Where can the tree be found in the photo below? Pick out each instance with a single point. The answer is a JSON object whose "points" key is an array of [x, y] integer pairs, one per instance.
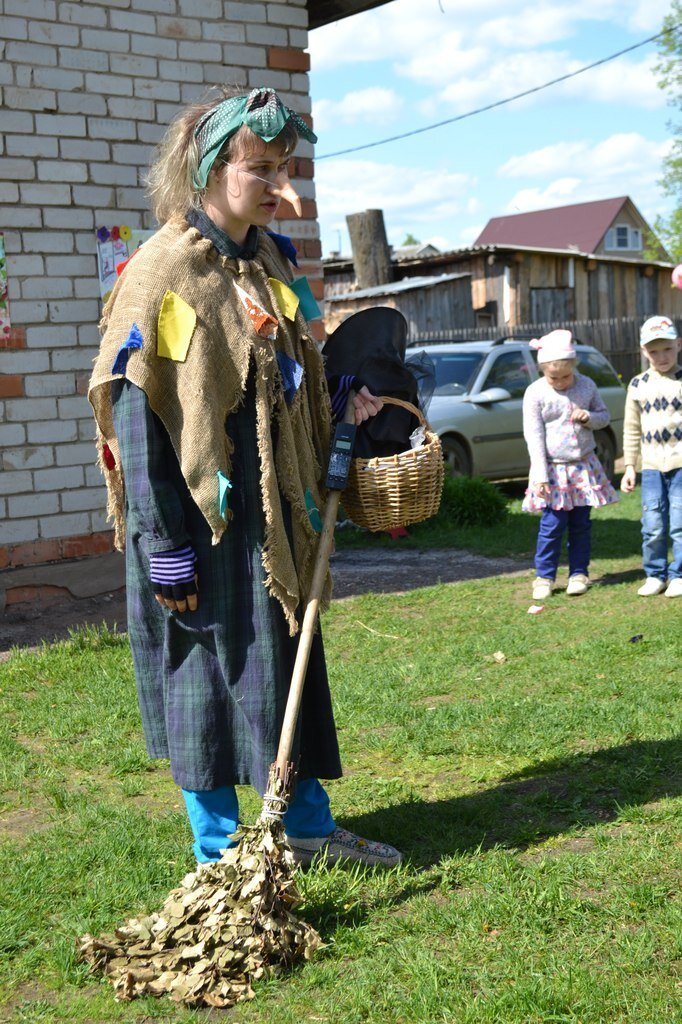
{"points": [[410, 239], [669, 72]]}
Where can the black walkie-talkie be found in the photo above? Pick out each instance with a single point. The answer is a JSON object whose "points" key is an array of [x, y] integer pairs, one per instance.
{"points": [[340, 456]]}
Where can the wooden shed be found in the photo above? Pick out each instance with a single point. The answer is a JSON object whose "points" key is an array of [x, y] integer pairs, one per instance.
{"points": [[427, 303]]}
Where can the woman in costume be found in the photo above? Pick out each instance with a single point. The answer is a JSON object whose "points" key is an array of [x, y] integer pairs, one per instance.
{"points": [[213, 419]]}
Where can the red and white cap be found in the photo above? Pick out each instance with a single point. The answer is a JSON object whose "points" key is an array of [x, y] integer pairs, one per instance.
{"points": [[554, 346], [657, 328]]}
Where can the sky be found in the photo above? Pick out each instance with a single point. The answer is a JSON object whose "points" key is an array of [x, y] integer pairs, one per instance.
{"points": [[411, 63]]}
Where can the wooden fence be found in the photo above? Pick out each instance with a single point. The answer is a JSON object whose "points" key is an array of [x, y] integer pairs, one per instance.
{"points": [[617, 338]]}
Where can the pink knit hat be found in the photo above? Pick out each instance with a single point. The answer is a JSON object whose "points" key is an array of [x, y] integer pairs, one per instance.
{"points": [[553, 346]]}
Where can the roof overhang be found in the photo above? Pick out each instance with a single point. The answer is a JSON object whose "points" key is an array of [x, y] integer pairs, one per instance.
{"points": [[322, 12]]}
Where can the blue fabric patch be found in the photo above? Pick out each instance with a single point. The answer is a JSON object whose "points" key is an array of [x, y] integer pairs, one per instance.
{"points": [[313, 512], [292, 375], [134, 340], [224, 488], [285, 246], [307, 304]]}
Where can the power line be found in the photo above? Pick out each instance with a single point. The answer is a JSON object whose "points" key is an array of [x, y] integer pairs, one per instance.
{"points": [[501, 103]]}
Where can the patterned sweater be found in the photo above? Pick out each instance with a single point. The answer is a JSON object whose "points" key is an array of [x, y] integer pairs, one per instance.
{"points": [[653, 420], [550, 434]]}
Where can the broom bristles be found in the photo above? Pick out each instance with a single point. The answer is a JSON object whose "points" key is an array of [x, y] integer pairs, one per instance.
{"points": [[228, 924]]}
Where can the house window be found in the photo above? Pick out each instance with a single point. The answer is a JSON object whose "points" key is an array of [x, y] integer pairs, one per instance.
{"points": [[623, 237]]}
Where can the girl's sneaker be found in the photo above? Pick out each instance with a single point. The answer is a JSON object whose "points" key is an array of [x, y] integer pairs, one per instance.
{"points": [[577, 584], [542, 589], [651, 586], [674, 588]]}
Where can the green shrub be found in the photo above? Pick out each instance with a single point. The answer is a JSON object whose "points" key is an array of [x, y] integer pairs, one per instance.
{"points": [[471, 501]]}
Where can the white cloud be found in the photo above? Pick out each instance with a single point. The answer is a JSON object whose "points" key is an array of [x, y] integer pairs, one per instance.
{"points": [[444, 60], [647, 15], [419, 200], [375, 105], [530, 27], [557, 193], [622, 164], [622, 81], [624, 153]]}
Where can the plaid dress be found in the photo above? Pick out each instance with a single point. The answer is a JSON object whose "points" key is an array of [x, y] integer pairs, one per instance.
{"points": [[212, 684]]}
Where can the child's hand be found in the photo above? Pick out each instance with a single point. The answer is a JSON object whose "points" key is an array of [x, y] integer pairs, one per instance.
{"points": [[542, 490], [629, 481], [580, 416]]}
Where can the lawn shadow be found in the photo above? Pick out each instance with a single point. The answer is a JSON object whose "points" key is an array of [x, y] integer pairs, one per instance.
{"points": [[546, 800], [611, 579]]}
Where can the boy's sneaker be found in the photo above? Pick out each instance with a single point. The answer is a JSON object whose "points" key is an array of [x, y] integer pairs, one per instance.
{"points": [[577, 584], [674, 588], [542, 589], [343, 845], [651, 586]]}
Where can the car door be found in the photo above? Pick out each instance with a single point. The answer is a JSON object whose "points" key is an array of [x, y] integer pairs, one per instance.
{"points": [[497, 441]]}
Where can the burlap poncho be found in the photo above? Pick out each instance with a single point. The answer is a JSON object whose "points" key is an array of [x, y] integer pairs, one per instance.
{"points": [[194, 396]]}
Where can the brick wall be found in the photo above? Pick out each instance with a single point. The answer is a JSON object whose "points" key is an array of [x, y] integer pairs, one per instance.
{"points": [[87, 89]]}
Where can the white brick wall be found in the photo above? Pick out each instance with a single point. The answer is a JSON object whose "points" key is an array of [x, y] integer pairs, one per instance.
{"points": [[87, 90]]}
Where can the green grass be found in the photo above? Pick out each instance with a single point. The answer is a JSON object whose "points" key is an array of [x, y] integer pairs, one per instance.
{"points": [[537, 800], [616, 531]]}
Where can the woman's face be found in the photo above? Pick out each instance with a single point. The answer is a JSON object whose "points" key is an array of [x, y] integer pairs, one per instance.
{"points": [[247, 190]]}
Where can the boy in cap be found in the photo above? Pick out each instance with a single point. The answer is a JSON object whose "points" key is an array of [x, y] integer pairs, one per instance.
{"points": [[653, 429]]}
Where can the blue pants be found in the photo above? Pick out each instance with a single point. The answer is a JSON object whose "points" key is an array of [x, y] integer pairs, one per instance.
{"points": [[214, 815], [553, 525], [662, 520]]}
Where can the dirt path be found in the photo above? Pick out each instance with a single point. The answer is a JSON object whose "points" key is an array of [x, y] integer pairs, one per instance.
{"points": [[365, 570]]}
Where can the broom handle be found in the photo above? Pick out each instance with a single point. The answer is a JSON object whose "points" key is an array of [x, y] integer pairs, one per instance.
{"points": [[324, 546]]}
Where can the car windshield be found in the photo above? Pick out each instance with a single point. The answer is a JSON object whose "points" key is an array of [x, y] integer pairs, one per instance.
{"points": [[455, 371]]}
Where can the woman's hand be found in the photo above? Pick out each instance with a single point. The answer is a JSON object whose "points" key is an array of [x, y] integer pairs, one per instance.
{"points": [[542, 490], [580, 416], [174, 578], [366, 404]]}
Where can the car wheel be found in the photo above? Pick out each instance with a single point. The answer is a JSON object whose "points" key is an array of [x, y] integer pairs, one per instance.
{"points": [[606, 452], [456, 457]]}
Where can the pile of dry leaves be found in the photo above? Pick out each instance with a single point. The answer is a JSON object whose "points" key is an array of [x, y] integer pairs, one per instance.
{"points": [[229, 924]]}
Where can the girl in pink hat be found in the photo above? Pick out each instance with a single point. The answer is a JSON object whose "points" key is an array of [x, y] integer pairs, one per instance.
{"points": [[561, 412]]}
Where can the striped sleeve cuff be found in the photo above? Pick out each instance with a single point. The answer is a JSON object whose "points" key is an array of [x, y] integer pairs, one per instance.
{"points": [[340, 386], [170, 567]]}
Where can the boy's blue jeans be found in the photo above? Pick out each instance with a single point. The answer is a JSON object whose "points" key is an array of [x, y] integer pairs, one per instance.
{"points": [[214, 815], [662, 521], [553, 525]]}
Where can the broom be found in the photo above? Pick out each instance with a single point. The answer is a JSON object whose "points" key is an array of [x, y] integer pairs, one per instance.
{"points": [[231, 922]]}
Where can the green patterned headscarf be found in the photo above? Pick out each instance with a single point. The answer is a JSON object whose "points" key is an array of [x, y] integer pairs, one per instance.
{"points": [[262, 111]]}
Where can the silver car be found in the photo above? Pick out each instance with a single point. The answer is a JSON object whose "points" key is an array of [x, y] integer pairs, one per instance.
{"points": [[477, 405]]}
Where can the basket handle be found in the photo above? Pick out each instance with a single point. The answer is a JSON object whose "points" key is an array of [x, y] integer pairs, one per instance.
{"points": [[387, 400]]}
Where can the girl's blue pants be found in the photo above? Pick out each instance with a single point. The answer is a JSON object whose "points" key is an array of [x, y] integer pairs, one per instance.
{"points": [[214, 815], [553, 526]]}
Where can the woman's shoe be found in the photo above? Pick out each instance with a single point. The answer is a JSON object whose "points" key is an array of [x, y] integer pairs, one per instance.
{"points": [[343, 845], [674, 588]]}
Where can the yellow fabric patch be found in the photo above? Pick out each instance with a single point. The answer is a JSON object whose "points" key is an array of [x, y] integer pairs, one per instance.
{"points": [[177, 321], [286, 299]]}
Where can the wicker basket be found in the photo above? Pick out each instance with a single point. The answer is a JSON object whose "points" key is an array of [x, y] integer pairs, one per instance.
{"points": [[396, 490]]}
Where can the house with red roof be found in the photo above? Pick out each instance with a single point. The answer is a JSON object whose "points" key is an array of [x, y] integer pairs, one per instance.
{"points": [[605, 227]]}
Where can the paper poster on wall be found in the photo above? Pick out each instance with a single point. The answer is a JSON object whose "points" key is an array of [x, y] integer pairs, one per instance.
{"points": [[4, 300], [115, 245]]}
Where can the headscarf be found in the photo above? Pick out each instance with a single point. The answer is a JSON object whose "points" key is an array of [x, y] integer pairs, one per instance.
{"points": [[262, 111]]}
